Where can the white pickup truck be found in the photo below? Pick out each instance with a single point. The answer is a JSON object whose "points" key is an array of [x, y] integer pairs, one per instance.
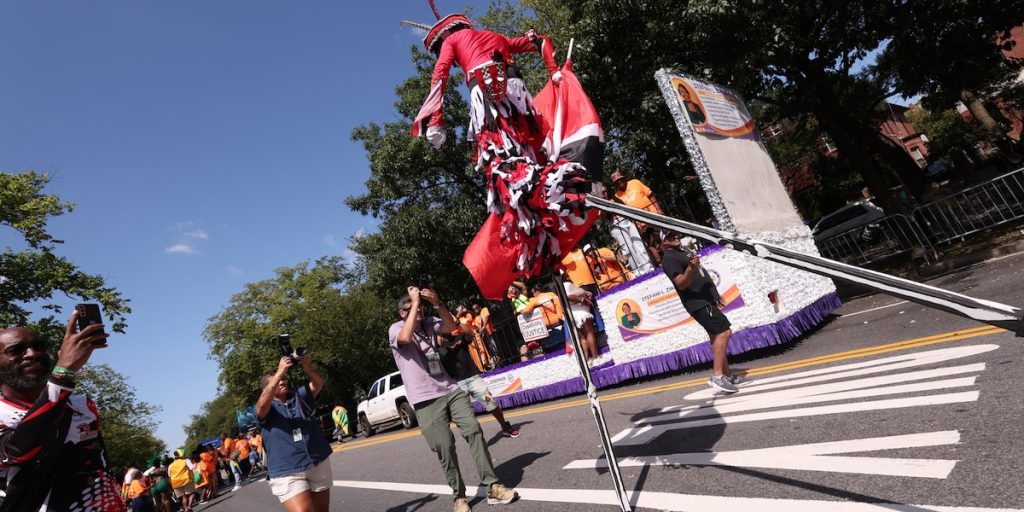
{"points": [[386, 405]]}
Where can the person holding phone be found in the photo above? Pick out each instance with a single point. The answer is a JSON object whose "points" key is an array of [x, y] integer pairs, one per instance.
{"points": [[297, 451], [50, 440], [701, 299]]}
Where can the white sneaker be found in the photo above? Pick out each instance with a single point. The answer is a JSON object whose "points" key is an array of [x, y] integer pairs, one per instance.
{"points": [[723, 384], [235, 488]]}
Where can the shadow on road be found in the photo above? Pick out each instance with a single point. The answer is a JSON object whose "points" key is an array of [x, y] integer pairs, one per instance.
{"points": [[499, 436], [824, 489], [415, 504], [511, 471]]}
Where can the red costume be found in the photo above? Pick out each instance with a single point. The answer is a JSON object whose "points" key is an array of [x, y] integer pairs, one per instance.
{"points": [[535, 198]]}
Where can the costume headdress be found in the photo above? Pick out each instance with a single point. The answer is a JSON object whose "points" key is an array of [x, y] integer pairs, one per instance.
{"points": [[432, 41]]}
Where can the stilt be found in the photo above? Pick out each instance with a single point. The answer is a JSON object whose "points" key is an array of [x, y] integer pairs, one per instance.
{"points": [[595, 404]]}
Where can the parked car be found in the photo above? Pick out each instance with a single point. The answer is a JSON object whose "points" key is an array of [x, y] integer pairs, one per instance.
{"points": [[386, 405], [862, 217]]}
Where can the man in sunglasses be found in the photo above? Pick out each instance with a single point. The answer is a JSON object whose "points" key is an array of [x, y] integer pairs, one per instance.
{"points": [[437, 398], [52, 453]]}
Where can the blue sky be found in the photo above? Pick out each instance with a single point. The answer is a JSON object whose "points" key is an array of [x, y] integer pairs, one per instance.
{"points": [[204, 143]]}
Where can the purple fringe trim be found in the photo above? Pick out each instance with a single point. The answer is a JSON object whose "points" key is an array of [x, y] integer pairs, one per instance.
{"points": [[610, 374]]}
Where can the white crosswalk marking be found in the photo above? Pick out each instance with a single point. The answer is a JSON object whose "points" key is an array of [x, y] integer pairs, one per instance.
{"points": [[812, 457], [670, 501], [852, 382]]}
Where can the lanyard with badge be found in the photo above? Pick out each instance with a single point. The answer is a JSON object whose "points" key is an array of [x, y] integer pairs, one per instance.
{"points": [[296, 429], [434, 367]]}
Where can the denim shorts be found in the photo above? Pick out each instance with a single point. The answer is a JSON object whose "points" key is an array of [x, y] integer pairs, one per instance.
{"points": [[476, 388]]}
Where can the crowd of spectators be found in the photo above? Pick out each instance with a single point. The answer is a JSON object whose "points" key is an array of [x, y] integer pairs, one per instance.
{"points": [[180, 482]]}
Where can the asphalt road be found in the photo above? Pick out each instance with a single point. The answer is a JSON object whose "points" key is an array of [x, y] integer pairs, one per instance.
{"points": [[889, 406]]}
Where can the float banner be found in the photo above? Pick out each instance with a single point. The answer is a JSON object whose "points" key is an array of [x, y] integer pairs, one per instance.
{"points": [[734, 168], [651, 305], [713, 109], [505, 383], [531, 325]]}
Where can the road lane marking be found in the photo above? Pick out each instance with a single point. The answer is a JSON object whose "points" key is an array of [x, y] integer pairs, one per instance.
{"points": [[946, 337], [812, 457], [846, 315], [670, 501]]}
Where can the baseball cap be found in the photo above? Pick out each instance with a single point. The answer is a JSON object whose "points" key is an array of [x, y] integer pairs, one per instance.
{"points": [[666, 234], [616, 176]]}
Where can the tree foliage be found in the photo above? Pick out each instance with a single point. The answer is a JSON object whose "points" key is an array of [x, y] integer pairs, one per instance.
{"points": [[343, 325], [32, 273], [949, 51], [128, 424]]}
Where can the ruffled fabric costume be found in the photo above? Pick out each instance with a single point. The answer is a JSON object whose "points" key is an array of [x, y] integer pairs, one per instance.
{"points": [[537, 170]]}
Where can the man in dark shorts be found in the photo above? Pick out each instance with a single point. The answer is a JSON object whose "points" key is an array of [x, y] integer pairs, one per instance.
{"points": [[701, 299]]}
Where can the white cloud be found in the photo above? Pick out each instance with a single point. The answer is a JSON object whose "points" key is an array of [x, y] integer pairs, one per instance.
{"points": [[235, 271], [181, 248], [330, 241], [186, 234], [199, 234], [361, 232]]}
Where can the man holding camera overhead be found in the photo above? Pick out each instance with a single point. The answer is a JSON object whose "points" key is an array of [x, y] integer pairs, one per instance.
{"points": [[297, 451], [436, 397]]}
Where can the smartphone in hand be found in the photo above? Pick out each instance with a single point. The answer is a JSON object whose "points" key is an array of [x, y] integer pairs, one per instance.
{"points": [[89, 314]]}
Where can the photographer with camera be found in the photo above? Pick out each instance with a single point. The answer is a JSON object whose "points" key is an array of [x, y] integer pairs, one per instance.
{"points": [[297, 451], [436, 397]]}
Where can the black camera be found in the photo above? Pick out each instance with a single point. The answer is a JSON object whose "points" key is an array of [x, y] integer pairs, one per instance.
{"points": [[285, 342], [422, 281]]}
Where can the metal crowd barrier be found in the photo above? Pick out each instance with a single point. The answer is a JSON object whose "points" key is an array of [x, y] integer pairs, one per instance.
{"points": [[993, 203], [891, 236]]}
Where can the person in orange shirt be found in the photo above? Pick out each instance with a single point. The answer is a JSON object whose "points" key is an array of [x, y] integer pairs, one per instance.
{"points": [[634, 193], [256, 440], [138, 493], [579, 272], [202, 477], [209, 471], [481, 357], [551, 313], [610, 270], [484, 327], [227, 452], [244, 448]]}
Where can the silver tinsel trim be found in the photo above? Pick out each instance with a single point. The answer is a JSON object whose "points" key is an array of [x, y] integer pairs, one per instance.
{"points": [[663, 76]]}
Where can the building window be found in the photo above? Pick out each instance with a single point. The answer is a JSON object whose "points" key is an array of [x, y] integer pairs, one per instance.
{"points": [[921, 161], [775, 130]]}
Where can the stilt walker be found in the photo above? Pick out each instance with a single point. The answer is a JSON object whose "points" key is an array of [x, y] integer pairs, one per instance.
{"points": [[539, 164]]}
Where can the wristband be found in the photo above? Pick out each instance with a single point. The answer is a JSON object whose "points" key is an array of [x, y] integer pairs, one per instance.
{"points": [[62, 372]]}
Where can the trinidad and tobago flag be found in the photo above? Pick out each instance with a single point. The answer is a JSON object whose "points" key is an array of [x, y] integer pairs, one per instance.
{"points": [[573, 133]]}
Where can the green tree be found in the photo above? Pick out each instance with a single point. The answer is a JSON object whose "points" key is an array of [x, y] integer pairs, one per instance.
{"points": [[950, 51], [31, 273], [128, 424], [949, 136], [343, 328]]}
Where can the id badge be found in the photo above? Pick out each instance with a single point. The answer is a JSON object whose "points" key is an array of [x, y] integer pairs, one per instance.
{"points": [[297, 434], [434, 364]]}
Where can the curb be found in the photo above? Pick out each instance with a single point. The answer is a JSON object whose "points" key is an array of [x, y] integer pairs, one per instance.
{"points": [[966, 260], [922, 273]]}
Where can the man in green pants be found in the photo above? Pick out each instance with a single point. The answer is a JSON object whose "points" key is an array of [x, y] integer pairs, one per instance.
{"points": [[436, 397]]}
